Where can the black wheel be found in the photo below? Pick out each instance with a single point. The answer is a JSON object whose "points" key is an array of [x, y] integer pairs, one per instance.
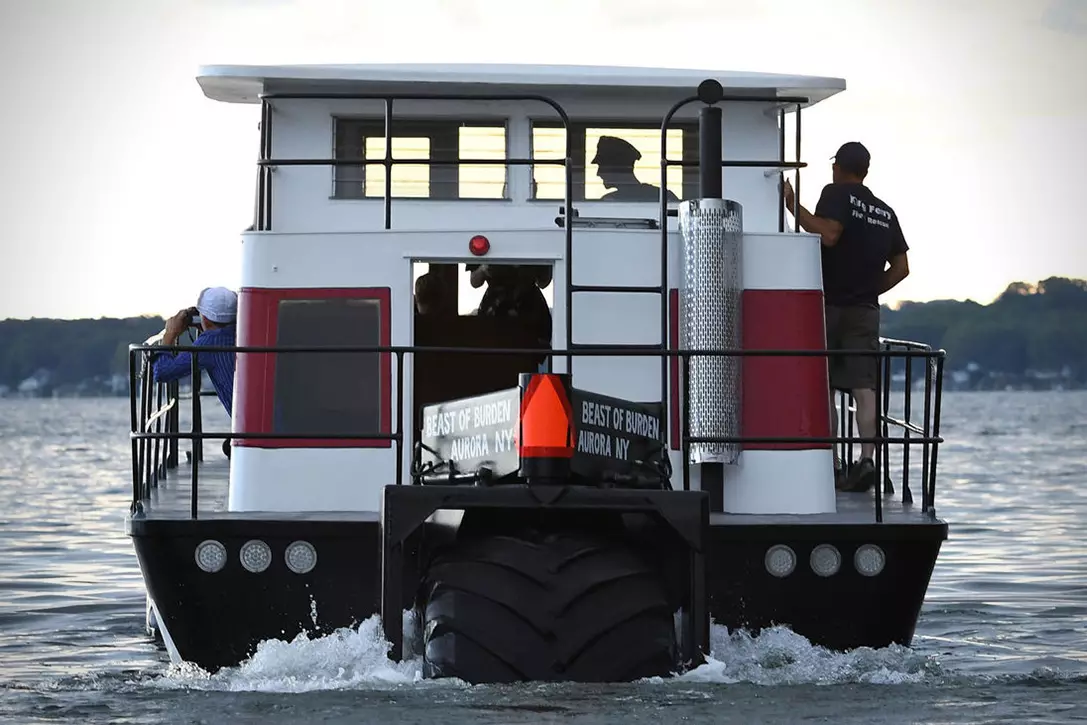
{"points": [[564, 606]]}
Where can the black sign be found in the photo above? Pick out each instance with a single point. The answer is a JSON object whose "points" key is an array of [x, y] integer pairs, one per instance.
{"points": [[474, 432], [615, 435]]}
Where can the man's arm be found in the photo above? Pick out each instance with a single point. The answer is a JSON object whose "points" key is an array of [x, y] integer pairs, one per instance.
{"points": [[168, 367], [898, 271], [830, 214], [899, 263]]}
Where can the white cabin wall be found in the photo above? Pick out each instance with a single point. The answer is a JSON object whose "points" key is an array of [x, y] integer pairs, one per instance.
{"points": [[318, 241], [302, 195]]}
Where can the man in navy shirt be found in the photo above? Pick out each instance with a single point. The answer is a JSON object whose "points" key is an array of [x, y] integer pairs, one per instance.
{"points": [[217, 308], [863, 256]]}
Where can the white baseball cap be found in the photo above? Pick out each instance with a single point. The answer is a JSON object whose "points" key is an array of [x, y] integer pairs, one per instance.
{"points": [[218, 304]]}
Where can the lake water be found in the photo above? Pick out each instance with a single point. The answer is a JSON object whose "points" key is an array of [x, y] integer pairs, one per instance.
{"points": [[1002, 636]]}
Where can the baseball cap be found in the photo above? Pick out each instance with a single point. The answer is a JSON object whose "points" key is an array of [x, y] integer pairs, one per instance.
{"points": [[853, 156], [218, 304]]}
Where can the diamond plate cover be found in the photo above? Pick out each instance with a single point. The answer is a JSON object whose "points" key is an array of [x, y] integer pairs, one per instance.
{"points": [[712, 233]]}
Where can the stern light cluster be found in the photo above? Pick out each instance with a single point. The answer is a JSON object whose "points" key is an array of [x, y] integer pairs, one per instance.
{"points": [[825, 560], [256, 556]]}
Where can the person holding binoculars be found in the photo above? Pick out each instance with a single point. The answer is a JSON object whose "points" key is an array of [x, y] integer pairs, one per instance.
{"points": [[215, 315]]}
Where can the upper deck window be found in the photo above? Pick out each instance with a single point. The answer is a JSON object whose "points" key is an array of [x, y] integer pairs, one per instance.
{"points": [[603, 168], [443, 141]]}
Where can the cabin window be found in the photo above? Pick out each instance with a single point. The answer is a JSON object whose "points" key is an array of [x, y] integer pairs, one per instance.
{"points": [[441, 141], [549, 139], [316, 393]]}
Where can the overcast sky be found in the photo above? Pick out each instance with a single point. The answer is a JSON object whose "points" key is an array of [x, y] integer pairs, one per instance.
{"points": [[112, 160]]}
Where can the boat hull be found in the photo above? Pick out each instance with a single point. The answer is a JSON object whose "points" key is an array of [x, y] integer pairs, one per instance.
{"points": [[217, 619], [841, 611]]}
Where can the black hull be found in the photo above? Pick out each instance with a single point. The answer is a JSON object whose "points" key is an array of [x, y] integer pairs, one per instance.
{"points": [[842, 611], [218, 619]]}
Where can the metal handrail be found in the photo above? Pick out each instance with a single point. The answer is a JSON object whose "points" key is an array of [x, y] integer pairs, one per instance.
{"points": [[929, 438]]}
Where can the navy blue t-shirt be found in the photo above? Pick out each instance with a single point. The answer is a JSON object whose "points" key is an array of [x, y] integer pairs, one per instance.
{"points": [[871, 236]]}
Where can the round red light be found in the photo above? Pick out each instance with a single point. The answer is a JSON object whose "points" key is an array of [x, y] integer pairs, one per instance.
{"points": [[479, 245]]}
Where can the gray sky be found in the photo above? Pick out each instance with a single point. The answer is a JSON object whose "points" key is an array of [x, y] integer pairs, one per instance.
{"points": [[113, 160]]}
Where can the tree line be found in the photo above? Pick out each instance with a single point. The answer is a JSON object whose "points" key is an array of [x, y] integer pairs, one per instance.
{"points": [[1040, 326]]}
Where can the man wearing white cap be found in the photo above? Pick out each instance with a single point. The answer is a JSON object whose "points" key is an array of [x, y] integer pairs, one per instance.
{"points": [[217, 308]]}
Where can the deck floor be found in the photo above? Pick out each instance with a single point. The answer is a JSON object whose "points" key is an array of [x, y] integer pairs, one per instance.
{"points": [[172, 499]]}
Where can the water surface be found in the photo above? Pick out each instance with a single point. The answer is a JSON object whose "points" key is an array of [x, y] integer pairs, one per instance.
{"points": [[1002, 636]]}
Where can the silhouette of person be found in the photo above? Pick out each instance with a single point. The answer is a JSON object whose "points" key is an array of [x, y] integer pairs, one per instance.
{"points": [[615, 160]]}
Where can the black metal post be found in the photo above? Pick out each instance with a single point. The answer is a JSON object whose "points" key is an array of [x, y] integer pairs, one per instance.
{"points": [[781, 156], [935, 433], [927, 428], [888, 485], [197, 441], [400, 418], [709, 153], [907, 418], [135, 443], [388, 193]]}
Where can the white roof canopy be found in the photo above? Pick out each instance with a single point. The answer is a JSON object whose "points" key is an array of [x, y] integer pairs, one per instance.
{"points": [[244, 84]]}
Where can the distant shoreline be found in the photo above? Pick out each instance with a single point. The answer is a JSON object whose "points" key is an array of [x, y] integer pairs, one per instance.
{"points": [[1032, 337]]}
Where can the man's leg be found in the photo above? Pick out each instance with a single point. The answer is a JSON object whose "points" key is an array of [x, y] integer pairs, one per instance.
{"points": [[862, 333]]}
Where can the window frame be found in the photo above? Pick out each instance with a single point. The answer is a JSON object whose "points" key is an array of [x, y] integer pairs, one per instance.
{"points": [[442, 133], [254, 399], [577, 129]]}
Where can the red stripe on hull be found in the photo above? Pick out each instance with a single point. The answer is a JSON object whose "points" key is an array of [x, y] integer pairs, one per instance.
{"points": [[784, 396]]}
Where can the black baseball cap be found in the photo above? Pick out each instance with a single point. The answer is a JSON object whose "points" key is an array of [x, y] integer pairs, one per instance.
{"points": [[853, 156]]}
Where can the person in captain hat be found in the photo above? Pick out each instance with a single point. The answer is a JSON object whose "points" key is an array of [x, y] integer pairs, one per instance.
{"points": [[215, 314], [615, 159]]}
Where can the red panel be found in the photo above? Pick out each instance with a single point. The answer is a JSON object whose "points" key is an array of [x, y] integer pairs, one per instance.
{"points": [[676, 391], [255, 378], [784, 396]]}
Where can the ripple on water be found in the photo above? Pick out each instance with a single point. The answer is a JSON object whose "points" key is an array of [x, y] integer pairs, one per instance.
{"points": [[1005, 616]]}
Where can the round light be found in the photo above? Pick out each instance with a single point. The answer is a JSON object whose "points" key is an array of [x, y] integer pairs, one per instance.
{"points": [[210, 556], [301, 557], [479, 245], [255, 556], [869, 560], [825, 560], [780, 560]]}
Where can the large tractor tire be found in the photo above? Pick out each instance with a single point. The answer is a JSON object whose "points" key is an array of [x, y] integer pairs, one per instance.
{"points": [[560, 606]]}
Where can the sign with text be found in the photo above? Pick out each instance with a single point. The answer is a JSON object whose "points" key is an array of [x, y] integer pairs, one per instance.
{"points": [[474, 432], [614, 435]]}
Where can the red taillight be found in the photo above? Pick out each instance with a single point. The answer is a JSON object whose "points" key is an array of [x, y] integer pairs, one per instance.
{"points": [[479, 245]]}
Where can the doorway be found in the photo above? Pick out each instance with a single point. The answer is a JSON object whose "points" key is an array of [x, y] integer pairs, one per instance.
{"points": [[450, 312]]}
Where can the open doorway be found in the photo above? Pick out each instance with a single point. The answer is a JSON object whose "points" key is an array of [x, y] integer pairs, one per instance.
{"points": [[501, 306]]}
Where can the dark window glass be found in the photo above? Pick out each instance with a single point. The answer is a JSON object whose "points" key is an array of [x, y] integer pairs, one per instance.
{"points": [[328, 393]]}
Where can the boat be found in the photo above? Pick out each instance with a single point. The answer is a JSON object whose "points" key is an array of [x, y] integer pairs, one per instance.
{"points": [[580, 505]]}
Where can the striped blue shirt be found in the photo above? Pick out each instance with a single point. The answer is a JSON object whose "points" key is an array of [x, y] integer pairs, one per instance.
{"points": [[220, 365]]}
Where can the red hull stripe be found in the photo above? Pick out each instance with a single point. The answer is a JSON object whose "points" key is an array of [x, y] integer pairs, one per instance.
{"points": [[784, 396]]}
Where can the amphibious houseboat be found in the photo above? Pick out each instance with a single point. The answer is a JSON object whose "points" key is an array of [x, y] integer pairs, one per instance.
{"points": [[576, 497]]}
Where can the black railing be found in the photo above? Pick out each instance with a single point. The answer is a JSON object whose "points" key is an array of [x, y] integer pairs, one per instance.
{"points": [[152, 426]]}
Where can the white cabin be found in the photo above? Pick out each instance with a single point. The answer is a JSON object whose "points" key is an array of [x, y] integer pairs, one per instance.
{"points": [[320, 266]]}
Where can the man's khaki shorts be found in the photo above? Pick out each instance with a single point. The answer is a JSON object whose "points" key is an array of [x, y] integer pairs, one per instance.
{"points": [[853, 328]]}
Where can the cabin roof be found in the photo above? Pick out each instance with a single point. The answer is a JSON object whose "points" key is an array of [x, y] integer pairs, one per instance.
{"points": [[244, 83]]}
